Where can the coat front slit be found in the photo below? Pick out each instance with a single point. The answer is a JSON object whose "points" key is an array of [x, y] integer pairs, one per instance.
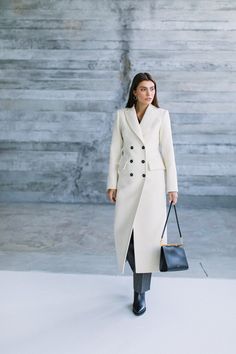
{"points": [[132, 228]]}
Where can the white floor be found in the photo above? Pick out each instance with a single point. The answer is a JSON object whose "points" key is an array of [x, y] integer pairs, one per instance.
{"points": [[49, 313]]}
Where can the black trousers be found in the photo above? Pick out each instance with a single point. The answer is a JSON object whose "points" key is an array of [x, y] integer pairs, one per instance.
{"points": [[141, 281]]}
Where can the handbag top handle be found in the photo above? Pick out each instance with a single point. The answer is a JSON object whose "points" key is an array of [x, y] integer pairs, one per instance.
{"points": [[181, 237]]}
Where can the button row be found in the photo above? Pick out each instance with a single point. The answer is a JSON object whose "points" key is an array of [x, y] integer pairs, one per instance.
{"points": [[133, 161], [131, 147], [143, 161], [131, 174]]}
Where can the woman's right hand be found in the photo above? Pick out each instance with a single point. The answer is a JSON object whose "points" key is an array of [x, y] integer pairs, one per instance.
{"points": [[111, 193]]}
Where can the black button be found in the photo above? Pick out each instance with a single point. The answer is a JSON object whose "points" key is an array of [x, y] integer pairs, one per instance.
{"points": [[143, 161], [143, 147], [131, 147], [131, 174], [143, 175], [131, 161]]}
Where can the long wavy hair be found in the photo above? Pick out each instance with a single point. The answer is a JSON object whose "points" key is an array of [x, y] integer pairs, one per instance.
{"points": [[136, 80]]}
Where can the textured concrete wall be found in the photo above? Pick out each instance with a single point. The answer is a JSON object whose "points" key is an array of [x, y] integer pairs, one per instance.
{"points": [[66, 66]]}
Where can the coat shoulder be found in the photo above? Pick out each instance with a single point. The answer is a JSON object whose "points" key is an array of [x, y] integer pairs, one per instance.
{"points": [[164, 114], [121, 113], [160, 110], [123, 109]]}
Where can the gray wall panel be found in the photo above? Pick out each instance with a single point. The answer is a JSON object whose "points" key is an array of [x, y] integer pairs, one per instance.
{"points": [[65, 67]]}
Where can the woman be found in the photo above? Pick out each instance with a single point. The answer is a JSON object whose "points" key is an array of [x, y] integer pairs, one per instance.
{"points": [[142, 170]]}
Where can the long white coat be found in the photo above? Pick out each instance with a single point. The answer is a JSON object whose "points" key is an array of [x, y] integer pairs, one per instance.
{"points": [[142, 168]]}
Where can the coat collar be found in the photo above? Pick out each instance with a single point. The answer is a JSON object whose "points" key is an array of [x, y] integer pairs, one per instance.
{"points": [[141, 129]]}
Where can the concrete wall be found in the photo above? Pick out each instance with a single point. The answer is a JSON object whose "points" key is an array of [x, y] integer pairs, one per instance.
{"points": [[66, 66]]}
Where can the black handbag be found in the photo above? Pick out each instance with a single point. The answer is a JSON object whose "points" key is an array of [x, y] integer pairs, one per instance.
{"points": [[173, 256]]}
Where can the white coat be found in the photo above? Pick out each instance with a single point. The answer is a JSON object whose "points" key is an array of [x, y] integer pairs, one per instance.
{"points": [[142, 168]]}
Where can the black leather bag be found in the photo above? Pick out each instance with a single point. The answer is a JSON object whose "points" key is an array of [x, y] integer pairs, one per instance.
{"points": [[173, 256]]}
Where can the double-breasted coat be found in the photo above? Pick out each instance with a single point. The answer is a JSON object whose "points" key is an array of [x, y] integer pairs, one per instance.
{"points": [[142, 168]]}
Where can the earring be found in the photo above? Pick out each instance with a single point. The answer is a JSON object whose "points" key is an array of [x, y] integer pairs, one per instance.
{"points": [[135, 98]]}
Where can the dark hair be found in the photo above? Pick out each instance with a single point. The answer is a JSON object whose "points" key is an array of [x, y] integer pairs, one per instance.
{"points": [[136, 80]]}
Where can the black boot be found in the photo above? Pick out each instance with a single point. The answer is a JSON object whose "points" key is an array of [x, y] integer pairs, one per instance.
{"points": [[139, 305]]}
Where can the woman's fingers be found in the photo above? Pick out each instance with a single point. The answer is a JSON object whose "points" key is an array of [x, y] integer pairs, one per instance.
{"points": [[109, 194], [173, 196], [112, 195]]}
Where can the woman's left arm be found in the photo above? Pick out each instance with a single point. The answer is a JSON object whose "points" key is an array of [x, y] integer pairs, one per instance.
{"points": [[167, 151]]}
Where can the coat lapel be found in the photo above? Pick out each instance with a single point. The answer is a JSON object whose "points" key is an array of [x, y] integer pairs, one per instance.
{"points": [[140, 129]]}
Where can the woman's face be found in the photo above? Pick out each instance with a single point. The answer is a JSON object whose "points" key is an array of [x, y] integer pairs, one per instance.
{"points": [[145, 92]]}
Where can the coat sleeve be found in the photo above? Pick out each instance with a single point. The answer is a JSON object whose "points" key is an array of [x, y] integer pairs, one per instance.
{"points": [[115, 154], [167, 150]]}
